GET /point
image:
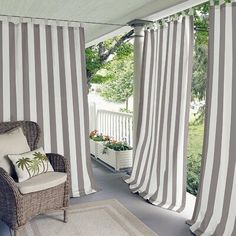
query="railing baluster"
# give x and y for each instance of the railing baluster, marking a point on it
(118, 127)
(104, 123)
(110, 127)
(131, 131)
(126, 127)
(115, 124)
(120, 124)
(106, 115)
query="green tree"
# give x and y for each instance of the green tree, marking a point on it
(200, 64)
(99, 55)
(120, 88)
(201, 24)
(200, 54)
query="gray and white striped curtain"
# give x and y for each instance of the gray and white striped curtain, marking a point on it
(215, 210)
(159, 171)
(42, 78)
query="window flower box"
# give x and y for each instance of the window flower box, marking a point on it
(93, 147)
(96, 138)
(116, 159)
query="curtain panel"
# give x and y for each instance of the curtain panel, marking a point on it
(43, 79)
(159, 171)
(215, 208)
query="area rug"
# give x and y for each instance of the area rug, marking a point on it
(103, 218)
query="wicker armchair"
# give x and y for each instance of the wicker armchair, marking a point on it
(17, 209)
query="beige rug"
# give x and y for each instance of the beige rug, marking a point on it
(103, 218)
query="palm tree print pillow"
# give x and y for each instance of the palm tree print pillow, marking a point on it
(30, 164)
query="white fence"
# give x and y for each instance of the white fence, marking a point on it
(118, 125)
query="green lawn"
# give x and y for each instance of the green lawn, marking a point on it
(195, 141)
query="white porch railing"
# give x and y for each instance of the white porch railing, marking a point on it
(118, 125)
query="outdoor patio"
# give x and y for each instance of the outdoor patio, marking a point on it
(182, 54)
(164, 223)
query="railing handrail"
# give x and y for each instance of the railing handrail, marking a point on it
(115, 112)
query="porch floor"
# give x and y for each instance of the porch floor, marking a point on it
(163, 222)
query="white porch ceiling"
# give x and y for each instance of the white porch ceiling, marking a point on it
(107, 11)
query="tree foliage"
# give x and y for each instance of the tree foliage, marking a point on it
(193, 176)
(200, 64)
(201, 24)
(111, 63)
(200, 54)
(120, 87)
(99, 55)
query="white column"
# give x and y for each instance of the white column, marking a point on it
(138, 26)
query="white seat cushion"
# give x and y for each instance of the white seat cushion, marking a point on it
(42, 182)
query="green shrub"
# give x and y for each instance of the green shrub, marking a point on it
(116, 146)
(195, 142)
(126, 110)
(193, 176)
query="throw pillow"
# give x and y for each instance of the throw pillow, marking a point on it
(30, 164)
(12, 142)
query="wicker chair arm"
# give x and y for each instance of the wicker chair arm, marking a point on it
(8, 185)
(58, 162)
(10, 199)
